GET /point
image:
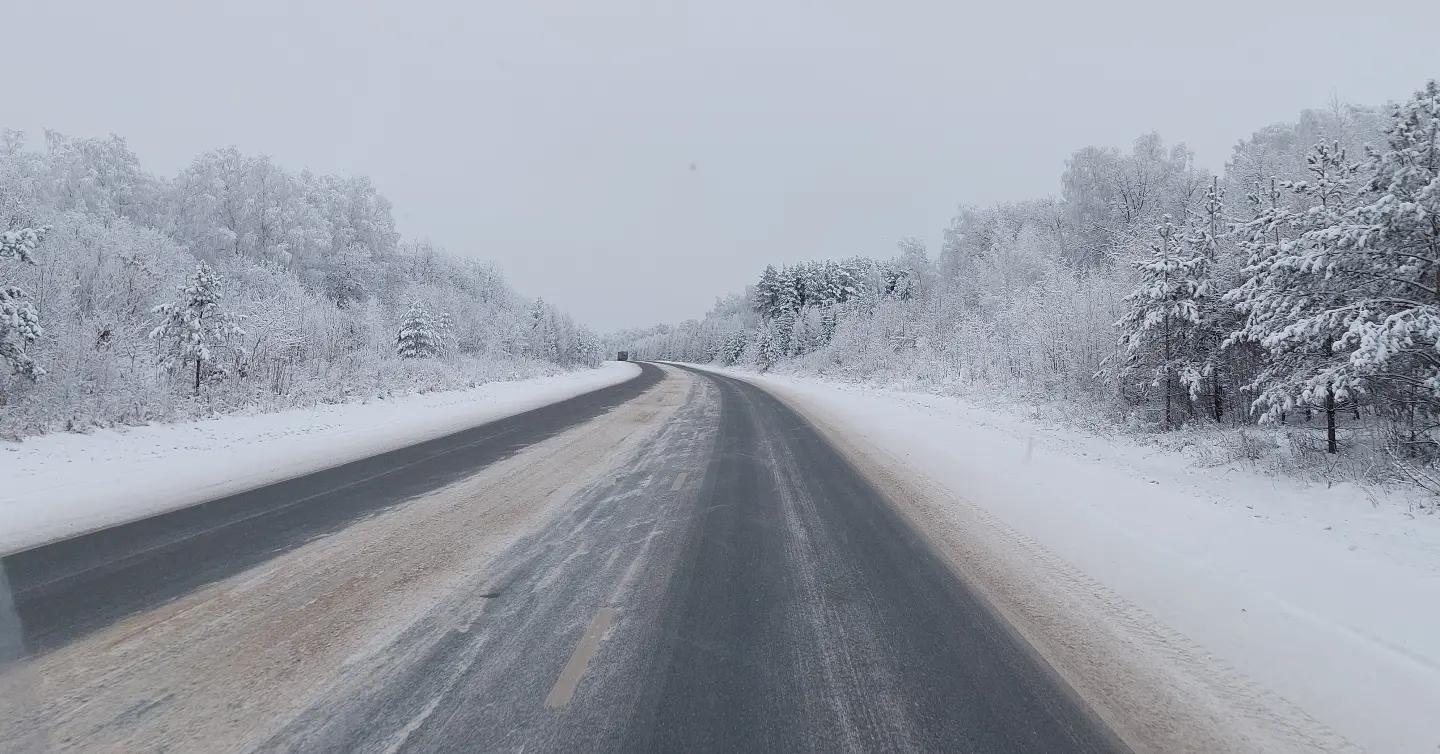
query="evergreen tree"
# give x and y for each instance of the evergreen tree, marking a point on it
(196, 328)
(1164, 312)
(915, 264)
(767, 293)
(417, 338)
(773, 341)
(1202, 372)
(542, 337)
(1304, 292)
(791, 292)
(1391, 247)
(19, 322)
(536, 311)
(445, 333)
(732, 349)
(817, 282)
(806, 333)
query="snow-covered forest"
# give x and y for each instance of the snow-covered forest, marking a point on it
(127, 297)
(1298, 289)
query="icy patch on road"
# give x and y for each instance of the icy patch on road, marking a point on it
(60, 485)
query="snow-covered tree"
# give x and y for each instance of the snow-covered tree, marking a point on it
(1390, 247)
(445, 332)
(913, 270)
(1159, 327)
(19, 322)
(312, 264)
(806, 332)
(731, 350)
(1110, 197)
(195, 328)
(767, 293)
(418, 337)
(1304, 292)
(773, 341)
(20, 245)
(1216, 317)
(1324, 301)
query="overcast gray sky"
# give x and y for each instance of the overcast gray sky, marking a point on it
(632, 160)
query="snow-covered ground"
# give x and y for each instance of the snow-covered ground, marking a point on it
(63, 484)
(1302, 616)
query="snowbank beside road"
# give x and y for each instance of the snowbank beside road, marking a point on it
(60, 485)
(1296, 617)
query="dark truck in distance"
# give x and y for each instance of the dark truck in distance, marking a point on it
(622, 356)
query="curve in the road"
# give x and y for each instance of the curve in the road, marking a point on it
(737, 586)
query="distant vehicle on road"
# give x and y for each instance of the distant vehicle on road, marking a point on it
(622, 356)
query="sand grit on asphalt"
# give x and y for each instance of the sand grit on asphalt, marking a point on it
(225, 666)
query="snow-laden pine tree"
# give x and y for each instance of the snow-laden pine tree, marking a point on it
(806, 332)
(1201, 373)
(1159, 326)
(791, 293)
(546, 336)
(195, 328)
(19, 322)
(417, 338)
(445, 332)
(732, 349)
(1390, 245)
(767, 293)
(773, 341)
(1304, 292)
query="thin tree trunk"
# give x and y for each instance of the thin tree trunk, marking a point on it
(1330, 444)
(1218, 402)
(1168, 424)
(197, 375)
(1410, 449)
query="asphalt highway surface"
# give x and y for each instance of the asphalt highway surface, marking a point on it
(723, 580)
(69, 588)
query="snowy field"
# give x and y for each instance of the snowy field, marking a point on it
(61, 484)
(1325, 601)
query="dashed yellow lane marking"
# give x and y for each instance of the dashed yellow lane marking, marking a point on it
(564, 687)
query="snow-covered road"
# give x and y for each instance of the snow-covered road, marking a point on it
(222, 665)
(1274, 614)
(676, 563)
(1191, 609)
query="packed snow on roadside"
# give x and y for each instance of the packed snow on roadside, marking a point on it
(59, 485)
(1327, 596)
